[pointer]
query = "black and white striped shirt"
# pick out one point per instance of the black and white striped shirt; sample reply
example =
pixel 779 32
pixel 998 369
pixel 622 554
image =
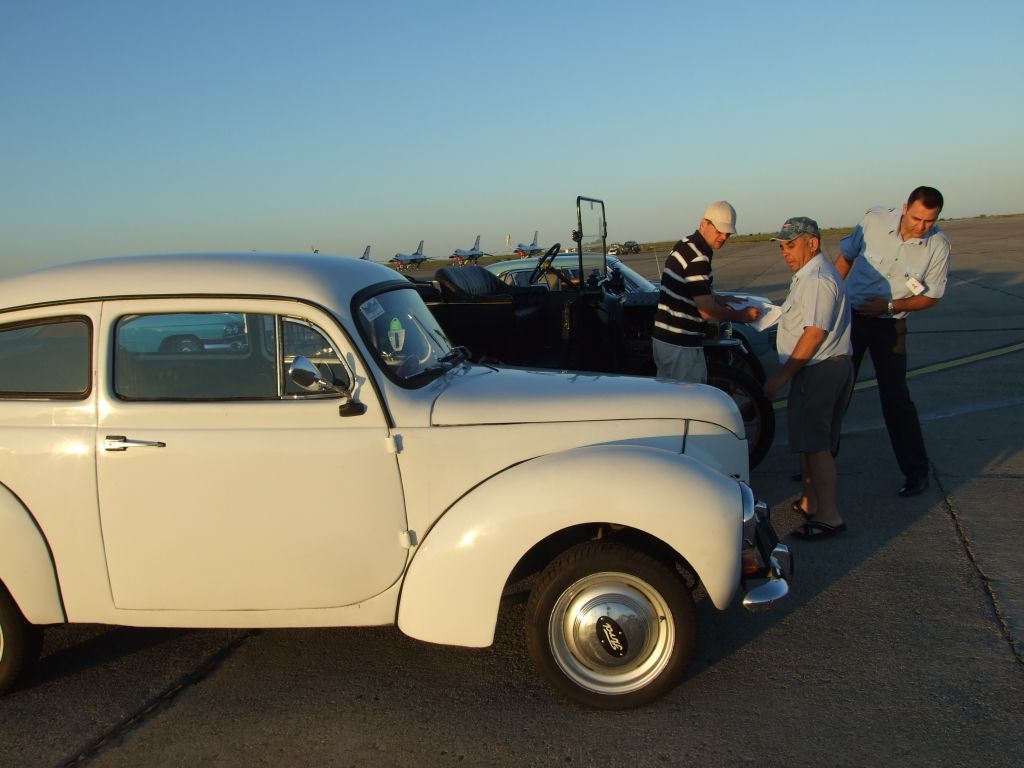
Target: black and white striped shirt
pixel 687 275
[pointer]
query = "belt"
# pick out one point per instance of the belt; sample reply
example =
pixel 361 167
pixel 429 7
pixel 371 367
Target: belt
pixel 876 318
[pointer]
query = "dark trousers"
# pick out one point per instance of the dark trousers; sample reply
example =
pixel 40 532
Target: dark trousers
pixel 878 335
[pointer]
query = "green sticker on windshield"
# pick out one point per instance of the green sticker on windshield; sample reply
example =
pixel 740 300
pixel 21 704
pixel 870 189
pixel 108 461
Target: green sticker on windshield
pixel 396 334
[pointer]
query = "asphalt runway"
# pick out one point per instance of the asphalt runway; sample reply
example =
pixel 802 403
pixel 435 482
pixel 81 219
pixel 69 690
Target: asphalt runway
pixel 900 645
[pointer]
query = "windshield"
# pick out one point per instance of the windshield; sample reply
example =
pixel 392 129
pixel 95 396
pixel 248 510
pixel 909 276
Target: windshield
pixel 405 338
pixel 592 239
pixel 592 227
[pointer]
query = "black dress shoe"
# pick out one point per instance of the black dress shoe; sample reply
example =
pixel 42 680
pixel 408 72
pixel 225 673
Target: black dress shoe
pixel 912 486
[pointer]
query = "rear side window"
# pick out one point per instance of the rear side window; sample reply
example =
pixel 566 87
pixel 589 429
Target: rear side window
pixel 46 359
pixel 195 356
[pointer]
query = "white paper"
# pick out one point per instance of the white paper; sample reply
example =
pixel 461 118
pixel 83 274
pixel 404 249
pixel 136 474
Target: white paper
pixel 770 313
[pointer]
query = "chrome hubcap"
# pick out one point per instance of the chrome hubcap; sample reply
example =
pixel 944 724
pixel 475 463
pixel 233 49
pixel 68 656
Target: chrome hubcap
pixel 611 633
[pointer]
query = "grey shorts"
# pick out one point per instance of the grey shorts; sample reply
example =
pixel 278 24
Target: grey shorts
pixel 818 396
pixel 679 363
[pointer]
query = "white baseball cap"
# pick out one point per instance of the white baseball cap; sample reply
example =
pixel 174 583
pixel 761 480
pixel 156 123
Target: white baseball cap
pixel 723 216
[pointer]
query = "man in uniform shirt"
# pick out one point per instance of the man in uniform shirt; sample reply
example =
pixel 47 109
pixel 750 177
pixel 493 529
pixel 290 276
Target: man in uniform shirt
pixel 814 349
pixel 895 262
pixel 686 299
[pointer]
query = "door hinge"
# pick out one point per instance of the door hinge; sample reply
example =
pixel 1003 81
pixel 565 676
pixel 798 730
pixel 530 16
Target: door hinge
pixel 393 443
pixel 408 539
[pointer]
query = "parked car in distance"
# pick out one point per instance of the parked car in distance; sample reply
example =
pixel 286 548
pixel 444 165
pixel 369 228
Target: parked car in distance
pixel 616 498
pixel 631 246
pixel 616 248
pixel 185 333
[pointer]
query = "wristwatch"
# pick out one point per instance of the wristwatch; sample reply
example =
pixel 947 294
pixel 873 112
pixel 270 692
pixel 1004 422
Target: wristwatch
pixel 889 308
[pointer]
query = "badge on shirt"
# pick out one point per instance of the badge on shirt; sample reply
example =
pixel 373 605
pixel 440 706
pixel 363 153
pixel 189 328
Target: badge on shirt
pixel 915 286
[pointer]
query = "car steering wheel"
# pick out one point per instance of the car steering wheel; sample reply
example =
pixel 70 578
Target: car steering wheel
pixel 544 263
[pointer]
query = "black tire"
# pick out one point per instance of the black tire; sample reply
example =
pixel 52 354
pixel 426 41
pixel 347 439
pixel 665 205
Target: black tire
pixel 176 345
pixel 745 361
pixel 20 643
pixel 610 627
pixel 756 409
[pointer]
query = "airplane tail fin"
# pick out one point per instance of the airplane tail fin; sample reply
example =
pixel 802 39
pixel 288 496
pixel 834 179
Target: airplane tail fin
pixel 534 243
pixel 476 245
pixel 419 250
pixel 366 254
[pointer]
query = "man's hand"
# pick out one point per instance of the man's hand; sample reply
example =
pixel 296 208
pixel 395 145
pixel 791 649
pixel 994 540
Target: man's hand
pixel 738 304
pixel 773 384
pixel 876 306
pixel 749 314
pixel 804 350
pixel 873 306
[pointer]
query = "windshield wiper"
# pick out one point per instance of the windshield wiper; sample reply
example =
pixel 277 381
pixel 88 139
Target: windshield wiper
pixel 444 364
pixel 455 356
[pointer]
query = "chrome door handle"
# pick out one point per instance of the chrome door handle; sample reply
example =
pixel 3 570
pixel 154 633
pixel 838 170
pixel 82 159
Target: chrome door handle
pixel 122 443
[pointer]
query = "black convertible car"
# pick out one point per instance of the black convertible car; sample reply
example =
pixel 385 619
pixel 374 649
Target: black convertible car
pixel 583 312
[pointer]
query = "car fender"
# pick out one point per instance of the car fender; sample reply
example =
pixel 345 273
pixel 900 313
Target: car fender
pixel 26 564
pixel 455 580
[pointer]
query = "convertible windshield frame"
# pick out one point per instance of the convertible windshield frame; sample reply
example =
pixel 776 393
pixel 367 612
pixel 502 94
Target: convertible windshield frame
pixel 591 235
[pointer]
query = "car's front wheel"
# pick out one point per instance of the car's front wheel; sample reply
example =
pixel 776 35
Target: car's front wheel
pixel 19 642
pixel 610 627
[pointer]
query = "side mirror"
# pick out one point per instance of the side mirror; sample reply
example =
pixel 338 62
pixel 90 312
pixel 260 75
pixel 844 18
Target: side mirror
pixel 304 373
pixel 308 376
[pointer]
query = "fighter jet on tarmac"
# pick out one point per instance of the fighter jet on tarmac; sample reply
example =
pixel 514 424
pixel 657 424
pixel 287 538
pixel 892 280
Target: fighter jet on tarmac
pixel 523 250
pixel 469 255
pixel 403 261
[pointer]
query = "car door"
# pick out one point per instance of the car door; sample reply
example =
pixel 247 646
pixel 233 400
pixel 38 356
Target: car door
pixel 222 485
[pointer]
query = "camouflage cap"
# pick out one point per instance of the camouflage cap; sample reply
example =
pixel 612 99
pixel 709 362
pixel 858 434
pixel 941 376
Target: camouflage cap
pixel 796 226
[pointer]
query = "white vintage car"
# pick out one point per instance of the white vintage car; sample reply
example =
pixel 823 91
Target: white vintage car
pixel 169 486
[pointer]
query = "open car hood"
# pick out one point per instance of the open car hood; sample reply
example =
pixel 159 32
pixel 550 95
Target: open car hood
pixel 517 396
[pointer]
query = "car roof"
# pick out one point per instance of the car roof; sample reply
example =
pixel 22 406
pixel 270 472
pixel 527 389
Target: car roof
pixel 323 279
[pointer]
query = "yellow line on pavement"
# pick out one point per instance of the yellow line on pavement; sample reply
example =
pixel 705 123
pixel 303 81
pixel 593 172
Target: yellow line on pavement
pixel 778 405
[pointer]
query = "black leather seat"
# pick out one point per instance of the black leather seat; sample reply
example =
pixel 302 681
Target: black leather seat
pixel 469 283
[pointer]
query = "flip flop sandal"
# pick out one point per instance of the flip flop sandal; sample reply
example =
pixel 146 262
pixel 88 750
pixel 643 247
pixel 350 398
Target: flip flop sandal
pixel 795 507
pixel 813 530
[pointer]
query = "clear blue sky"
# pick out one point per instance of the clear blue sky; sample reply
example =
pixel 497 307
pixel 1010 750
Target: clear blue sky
pixel 131 127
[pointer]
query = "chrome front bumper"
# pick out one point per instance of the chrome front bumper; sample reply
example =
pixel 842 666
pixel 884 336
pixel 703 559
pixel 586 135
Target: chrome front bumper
pixel 766 595
pixel 776 561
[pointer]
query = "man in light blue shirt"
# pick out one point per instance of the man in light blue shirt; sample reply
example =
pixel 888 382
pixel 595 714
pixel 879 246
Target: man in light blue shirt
pixel 813 342
pixel 896 262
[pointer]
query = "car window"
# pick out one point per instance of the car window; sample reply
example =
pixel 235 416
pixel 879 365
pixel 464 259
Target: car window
pixel 194 356
pixel 49 358
pixel 299 337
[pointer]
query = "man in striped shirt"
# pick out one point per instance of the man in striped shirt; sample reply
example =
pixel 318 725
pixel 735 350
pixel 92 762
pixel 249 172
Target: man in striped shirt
pixel 686 299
